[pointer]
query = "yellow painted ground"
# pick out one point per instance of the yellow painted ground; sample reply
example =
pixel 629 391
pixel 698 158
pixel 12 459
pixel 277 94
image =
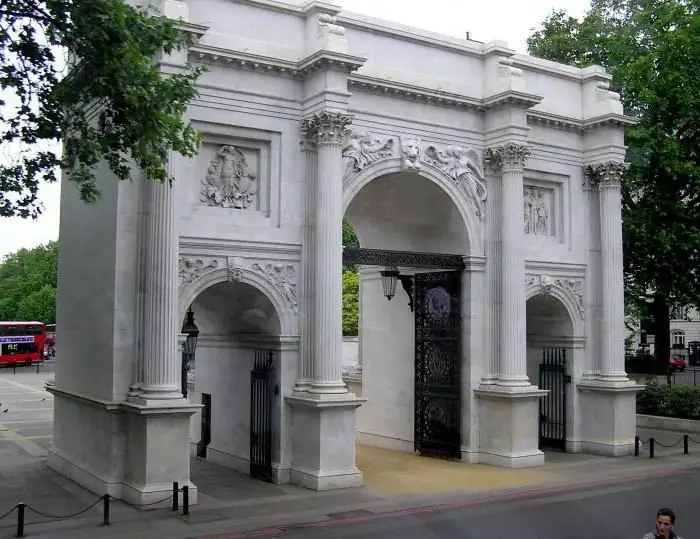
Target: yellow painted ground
pixel 397 473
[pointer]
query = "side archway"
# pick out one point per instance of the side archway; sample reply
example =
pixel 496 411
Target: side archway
pixel 573 306
pixel 354 182
pixel 286 311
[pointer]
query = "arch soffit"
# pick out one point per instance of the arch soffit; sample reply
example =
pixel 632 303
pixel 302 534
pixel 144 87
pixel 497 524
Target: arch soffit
pixel 571 300
pixel 285 311
pixel 354 181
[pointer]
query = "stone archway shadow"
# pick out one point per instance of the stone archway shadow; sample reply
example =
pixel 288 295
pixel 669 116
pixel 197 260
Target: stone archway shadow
pixel 286 311
pixel 355 181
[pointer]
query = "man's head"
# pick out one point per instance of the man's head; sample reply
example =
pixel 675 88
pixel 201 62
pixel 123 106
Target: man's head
pixel 665 521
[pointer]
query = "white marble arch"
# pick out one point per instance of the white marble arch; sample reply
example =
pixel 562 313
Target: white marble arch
pixel 287 312
pixel 569 303
pixel 353 183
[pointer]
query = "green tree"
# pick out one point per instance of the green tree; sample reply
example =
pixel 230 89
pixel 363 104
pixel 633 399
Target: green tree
pixel 349 237
pixel 652 50
pixel 28 284
pixel 113 106
pixel 351 303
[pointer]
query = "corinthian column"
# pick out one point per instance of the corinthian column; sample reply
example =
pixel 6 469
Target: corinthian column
pixel 608 177
pixel 510 160
pixel 306 285
pixel 161 372
pixel 330 129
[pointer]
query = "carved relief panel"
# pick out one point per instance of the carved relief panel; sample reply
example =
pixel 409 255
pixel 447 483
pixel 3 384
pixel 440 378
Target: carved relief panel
pixel 546 211
pixel 232 179
pixel 538 210
pixel 235 179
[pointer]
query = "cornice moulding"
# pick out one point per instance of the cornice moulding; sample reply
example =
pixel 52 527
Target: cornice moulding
pixel 198 30
pixel 559 269
pixel 324 58
pixel 189 246
pixel 375 85
pixel 520 99
pixel 609 120
pixel 264 64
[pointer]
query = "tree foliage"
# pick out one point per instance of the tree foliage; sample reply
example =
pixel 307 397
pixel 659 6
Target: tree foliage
pixel 28 284
pixel 652 50
pixel 351 303
pixel 113 105
pixel 351 286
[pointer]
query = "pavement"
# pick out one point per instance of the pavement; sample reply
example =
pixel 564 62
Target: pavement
pixel 399 486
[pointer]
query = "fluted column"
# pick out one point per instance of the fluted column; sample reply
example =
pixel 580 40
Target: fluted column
pixel 493 261
pixel 510 159
pixel 306 284
pixel 161 369
pixel 608 176
pixel 330 128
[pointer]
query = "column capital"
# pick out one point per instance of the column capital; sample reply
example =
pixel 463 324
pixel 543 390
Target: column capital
pixel 606 175
pixel 326 127
pixel 507 156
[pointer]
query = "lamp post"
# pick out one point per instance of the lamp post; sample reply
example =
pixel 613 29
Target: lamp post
pixel 192 331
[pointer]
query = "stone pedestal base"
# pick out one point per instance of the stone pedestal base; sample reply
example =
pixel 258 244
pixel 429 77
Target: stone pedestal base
pixel 608 417
pixel 128 451
pixel 323 445
pixel 158 451
pixel 509 426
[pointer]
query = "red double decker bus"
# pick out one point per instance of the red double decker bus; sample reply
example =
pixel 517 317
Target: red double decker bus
pixel 22 343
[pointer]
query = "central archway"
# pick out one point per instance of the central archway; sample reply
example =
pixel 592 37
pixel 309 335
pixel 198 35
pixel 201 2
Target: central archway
pixel 405 210
pixel 355 182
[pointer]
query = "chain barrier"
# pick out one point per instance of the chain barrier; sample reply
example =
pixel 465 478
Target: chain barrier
pixel 23 508
pixel 685 439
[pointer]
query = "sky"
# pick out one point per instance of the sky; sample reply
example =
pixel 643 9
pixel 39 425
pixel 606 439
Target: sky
pixel 486 20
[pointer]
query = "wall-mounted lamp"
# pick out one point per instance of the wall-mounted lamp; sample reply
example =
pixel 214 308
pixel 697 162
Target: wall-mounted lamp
pixel 389 277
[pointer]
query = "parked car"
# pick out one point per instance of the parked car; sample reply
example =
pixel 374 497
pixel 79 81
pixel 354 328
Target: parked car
pixel 677 363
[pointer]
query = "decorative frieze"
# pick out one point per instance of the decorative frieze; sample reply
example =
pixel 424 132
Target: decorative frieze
pixel 536 211
pixel 192 268
pixel 229 183
pixel 463 166
pixel 283 277
pixel 571 286
pixel 507 156
pixel 363 148
pixel 410 153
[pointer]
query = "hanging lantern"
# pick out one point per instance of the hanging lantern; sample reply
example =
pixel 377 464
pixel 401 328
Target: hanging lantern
pixel 192 331
pixel 389 278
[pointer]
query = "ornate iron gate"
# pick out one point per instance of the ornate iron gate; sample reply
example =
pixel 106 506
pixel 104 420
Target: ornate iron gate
pixel 262 390
pixel 553 377
pixel 438 384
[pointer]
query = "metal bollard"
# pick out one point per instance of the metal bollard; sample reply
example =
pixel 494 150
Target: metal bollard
pixel 651 447
pixel 105 509
pixel 685 444
pixel 176 494
pixel 636 446
pixel 20 519
pixel 185 500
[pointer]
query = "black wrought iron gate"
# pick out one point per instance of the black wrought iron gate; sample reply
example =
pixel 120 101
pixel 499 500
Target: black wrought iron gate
pixel 438 387
pixel 262 391
pixel 553 378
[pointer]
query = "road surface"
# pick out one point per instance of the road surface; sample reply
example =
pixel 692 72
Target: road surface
pixel 626 511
